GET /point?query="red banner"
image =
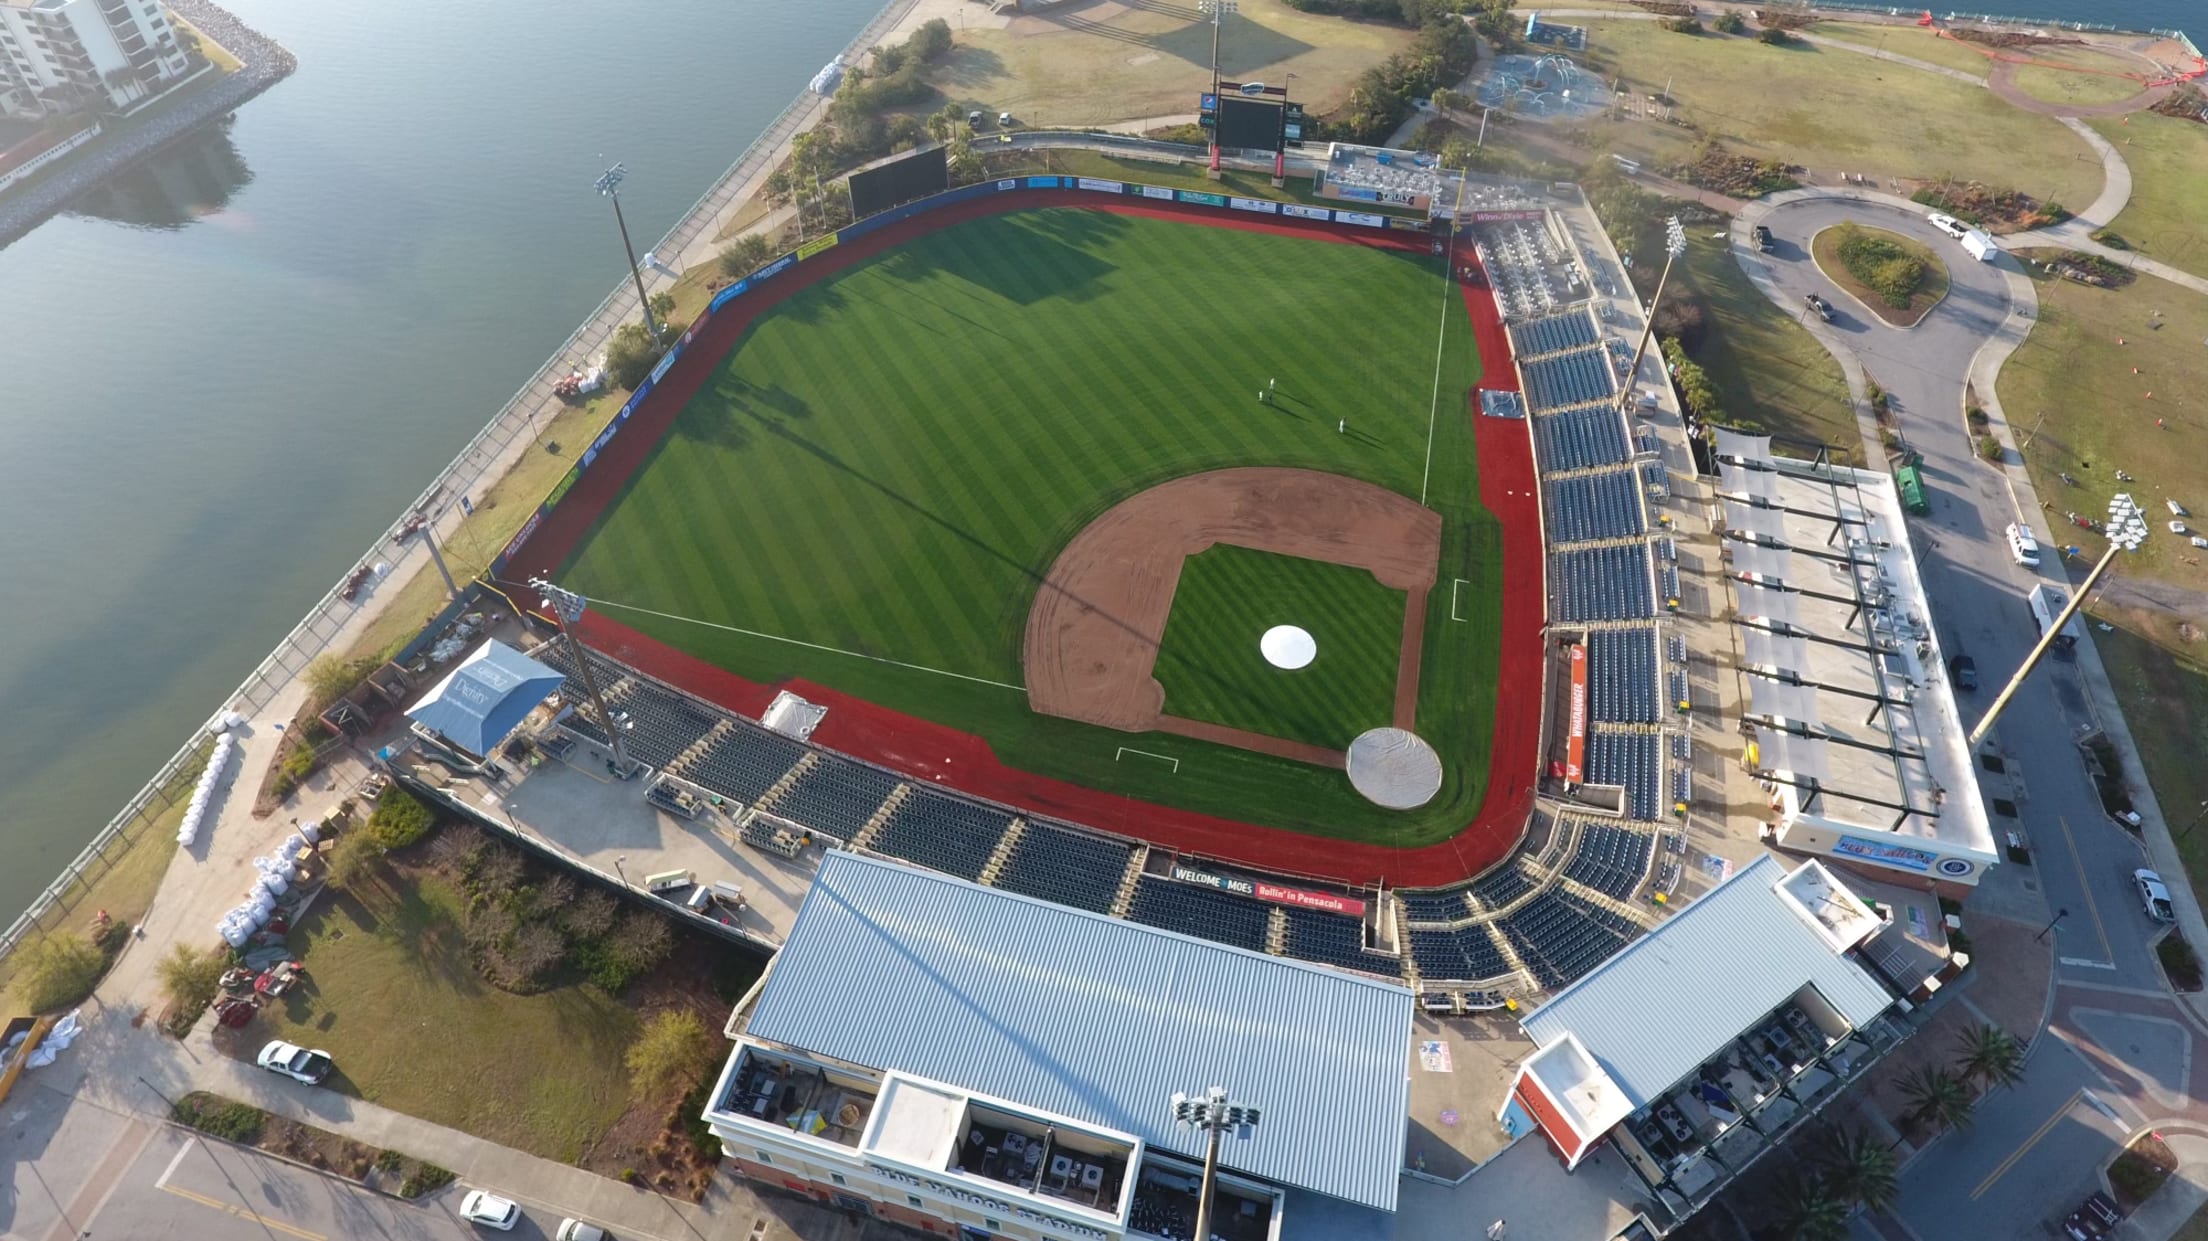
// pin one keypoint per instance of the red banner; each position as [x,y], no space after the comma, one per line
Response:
[1273,892]
[1575,745]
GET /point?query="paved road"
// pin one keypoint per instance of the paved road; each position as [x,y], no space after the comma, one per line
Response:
[2116,1037]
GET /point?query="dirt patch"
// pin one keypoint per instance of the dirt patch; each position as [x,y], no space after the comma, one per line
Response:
[1995,209]
[1092,637]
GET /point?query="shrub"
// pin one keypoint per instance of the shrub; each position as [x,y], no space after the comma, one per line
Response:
[425,1178]
[351,859]
[190,979]
[223,1118]
[458,847]
[1695,389]
[1989,448]
[2180,962]
[2110,238]
[673,1050]
[1884,266]
[746,254]
[400,819]
[536,951]
[1731,22]
[1689,24]
[590,916]
[499,870]
[1977,419]
[1774,36]
[56,970]
[330,678]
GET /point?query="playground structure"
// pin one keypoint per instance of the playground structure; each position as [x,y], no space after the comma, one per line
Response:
[1543,87]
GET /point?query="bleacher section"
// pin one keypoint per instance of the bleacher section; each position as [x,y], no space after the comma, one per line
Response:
[1531,272]
[1501,886]
[1553,334]
[1466,955]
[1593,506]
[1443,906]
[1611,860]
[1560,938]
[1602,584]
[1204,912]
[1581,377]
[744,763]
[938,832]
[1331,939]
[1071,868]
[1621,676]
[837,796]
[1578,439]
[1634,760]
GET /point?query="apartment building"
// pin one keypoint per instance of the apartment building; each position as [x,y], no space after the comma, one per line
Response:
[63,55]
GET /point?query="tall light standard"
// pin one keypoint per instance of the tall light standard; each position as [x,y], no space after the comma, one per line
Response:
[1675,244]
[1216,1113]
[1216,10]
[567,609]
[609,184]
[2127,529]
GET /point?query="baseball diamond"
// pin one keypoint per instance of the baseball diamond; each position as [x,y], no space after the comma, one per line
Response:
[873,489]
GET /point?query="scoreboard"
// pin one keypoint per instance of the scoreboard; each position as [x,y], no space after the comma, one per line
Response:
[1251,116]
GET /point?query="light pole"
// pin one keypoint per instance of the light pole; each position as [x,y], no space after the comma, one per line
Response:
[2196,820]
[1675,244]
[2060,914]
[1216,10]
[609,184]
[2127,529]
[567,609]
[619,858]
[1215,1113]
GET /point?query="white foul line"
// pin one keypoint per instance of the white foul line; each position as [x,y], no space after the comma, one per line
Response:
[812,646]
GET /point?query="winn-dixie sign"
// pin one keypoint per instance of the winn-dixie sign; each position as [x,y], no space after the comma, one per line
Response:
[1273,892]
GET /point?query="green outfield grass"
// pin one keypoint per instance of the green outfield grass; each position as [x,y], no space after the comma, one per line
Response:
[1229,596]
[888,463]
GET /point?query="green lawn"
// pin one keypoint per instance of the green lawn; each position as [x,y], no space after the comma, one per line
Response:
[1229,596]
[1767,368]
[2163,684]
[888,463]
[1811,106]
[1881,247]
[2169,183]
[395,999]
[1915,42]
[2069,87]
[2074,383]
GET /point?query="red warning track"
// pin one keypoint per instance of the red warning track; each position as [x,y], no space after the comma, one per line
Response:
[926,750]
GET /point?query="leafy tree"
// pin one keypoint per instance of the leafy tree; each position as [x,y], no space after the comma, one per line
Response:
[1991,1056]
[1938,1099]
[57,970]
[499,871]
[330,678]
[1857,1169]
[590,916]
[190,978]
[641,941]
[630,355]
[662,304]
[400,819]
[1450,101]
[1730,22]
[457,847]
[671,1053]
[352,859]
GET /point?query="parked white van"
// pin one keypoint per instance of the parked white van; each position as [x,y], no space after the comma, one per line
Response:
[2023,545]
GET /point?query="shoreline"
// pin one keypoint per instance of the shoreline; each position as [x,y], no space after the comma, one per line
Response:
[264,61]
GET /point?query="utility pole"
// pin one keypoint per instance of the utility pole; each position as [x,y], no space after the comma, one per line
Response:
[2127,529]
[1216,10]
[1675,244]
[609,185]
[567,609]
[1215,1113]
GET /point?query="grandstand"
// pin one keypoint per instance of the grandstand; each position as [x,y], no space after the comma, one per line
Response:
[1532,272]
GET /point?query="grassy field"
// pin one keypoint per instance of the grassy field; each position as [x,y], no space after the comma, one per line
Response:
[889,462]
[1766,365]
[2064,86]
[2162,681]
[1806,105]
[1825,248]
[1229,596]
[2074,383]
[1914,42]
[394,997]
[2169,182]
[1086,63]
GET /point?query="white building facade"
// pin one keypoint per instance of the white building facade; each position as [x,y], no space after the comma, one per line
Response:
[60,55]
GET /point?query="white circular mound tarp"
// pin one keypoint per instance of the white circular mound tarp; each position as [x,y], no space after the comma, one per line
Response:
[1288,646]
[1394,768]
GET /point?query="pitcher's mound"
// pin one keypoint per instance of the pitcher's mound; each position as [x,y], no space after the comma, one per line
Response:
[1394,768]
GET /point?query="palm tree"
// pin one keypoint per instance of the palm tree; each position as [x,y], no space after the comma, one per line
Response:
[1938,1099]
[1857,1169]
[1808,1209]
[1991,1056]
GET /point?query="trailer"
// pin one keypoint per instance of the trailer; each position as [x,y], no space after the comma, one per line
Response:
[1980,244]
[2047,603]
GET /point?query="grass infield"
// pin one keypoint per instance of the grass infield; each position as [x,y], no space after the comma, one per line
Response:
[888,462]
[1229,596]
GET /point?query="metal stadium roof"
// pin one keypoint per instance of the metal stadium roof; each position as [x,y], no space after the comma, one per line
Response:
[485,697]
[1098,1019]
[1655,1011]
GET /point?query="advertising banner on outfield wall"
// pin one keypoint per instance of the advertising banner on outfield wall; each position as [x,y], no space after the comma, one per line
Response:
[1254,204]
[1102,186]
[566,481]
[1157,191]
[1278,894]
[727,295]
[666,361]
[1302,212]
[1361,217]
[816,245]
[1409,224]
[1042,183]
[521,536]
[1575,739]
[773,269]
[1198,196]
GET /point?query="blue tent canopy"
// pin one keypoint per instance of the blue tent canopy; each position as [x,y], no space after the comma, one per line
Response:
[486,697]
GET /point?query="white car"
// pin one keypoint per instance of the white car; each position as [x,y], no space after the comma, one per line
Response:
[490,1210]
[1950,225]
[2154,896]
[296,1062]
[577,1230]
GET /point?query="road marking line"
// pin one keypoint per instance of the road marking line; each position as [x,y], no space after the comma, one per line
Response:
[2082,963]
[1163,758]
[2029,1143]
[242,1213]
[2085,888]
[182,1149]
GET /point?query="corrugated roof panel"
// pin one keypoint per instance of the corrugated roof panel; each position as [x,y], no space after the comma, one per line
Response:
[1098,1019]
[1656,1010]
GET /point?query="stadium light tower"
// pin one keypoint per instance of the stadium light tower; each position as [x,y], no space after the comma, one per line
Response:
[567,609]
[1675,244]
[1215,1113]
[609,185]
[2127,529]
[1216,10]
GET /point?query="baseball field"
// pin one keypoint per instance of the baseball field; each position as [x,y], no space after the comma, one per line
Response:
[875,489]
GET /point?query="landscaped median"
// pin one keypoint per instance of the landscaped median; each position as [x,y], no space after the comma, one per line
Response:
[1889,275]
[385,1171]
